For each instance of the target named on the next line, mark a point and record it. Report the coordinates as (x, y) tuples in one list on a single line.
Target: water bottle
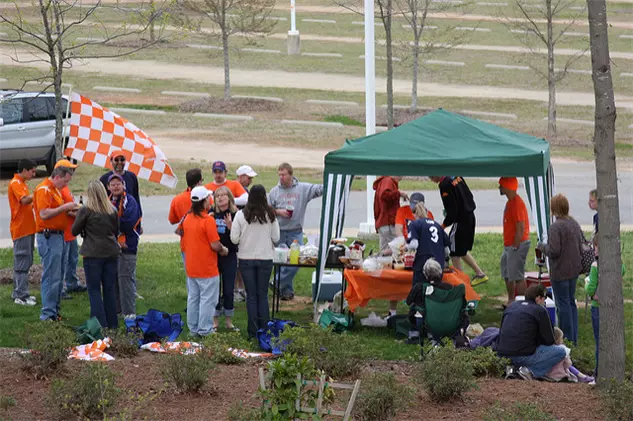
[(294, 253)]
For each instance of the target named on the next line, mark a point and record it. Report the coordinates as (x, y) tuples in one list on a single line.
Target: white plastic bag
[(373, 320)]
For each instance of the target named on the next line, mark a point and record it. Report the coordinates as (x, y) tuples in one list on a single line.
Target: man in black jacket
[(526, 336), (459, 208)]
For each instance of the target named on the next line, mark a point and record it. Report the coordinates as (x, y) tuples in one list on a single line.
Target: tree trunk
[(152, 32), (551, 76), (227, 76), (388, 41), (414, 82), (612, 345)]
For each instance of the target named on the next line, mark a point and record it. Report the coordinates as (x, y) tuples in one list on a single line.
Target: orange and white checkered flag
[(96, 132)]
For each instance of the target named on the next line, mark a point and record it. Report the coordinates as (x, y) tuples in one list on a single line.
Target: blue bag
[(274, 328), (156, 325)]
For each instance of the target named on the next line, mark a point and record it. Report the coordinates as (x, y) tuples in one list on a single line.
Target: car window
[(38, 109), (12, 111), (51, 101)]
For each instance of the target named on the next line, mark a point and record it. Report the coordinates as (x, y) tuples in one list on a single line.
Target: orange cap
[(118, 152), (510, 183), (65, 163)]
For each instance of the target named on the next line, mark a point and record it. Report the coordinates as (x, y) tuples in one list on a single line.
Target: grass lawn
[(161, 281)]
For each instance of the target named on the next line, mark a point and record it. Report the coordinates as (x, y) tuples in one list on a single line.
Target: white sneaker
[(31, 301), (22, 302), (129, 316), (32, 298)]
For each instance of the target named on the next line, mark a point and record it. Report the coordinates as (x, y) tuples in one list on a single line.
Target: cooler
[(531, 278), (550, 306), (331, 283)]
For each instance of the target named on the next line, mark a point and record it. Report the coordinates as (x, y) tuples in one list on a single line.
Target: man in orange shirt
[(181, 203), (22, 231), (219, 179), (516, 238), (51, 220), (405, 213), (70, 256)]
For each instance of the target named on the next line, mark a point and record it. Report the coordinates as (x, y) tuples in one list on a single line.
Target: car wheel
[(50, 162)]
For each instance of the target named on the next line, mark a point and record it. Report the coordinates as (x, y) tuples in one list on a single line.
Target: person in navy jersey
[(428, 239), (117, 159)]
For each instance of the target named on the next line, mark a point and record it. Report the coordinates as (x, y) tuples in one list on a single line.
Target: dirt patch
[(141, 375), (35, 275), (230, 106)]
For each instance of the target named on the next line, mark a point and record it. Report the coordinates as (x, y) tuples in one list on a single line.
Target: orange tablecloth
[(393, 285)]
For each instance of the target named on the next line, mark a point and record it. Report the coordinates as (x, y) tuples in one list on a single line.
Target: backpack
[(156, 325), (273, 330)]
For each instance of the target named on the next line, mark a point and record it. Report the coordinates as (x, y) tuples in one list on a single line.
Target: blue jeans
[(51, 250), (202, 297), (542, 361), (102, 274), (595, 323), (288, 274), (227, 265), (69, 265), (256, 274), (565, 299)]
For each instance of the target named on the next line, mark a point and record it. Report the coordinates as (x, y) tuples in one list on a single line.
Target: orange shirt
[(47, 196), (22, 218), (179, 206), (514, 212), (405, 213), (68, 198), (236, 188), (199, 233)]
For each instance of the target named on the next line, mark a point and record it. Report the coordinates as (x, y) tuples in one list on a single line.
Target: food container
[(281, 255), (408, 260), (398, 266), (385, 261)]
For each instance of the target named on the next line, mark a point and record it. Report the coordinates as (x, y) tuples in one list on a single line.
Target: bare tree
[(528, 27), (245, 17), (416, 13), (612, 345), (52, 39)]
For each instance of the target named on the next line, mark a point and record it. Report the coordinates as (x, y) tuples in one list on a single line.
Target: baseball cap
[(416, 198), (118, 152), (199, 193), (510, 183), (65, 163), (218, 166), (246, 170), (115, 175)]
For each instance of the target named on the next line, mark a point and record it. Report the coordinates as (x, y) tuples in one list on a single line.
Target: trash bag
[(273, 330), (89, 332), (340, 321), (156, 325)]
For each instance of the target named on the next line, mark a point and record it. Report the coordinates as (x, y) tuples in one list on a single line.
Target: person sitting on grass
[(526, 336), (559, 337)]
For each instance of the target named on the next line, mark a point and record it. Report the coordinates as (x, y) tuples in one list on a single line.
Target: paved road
[(574, 179)]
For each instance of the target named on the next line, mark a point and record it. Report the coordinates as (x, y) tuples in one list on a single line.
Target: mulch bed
[(215, 105), (231, 384)]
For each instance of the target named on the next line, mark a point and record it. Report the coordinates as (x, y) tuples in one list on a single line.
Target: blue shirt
[(432, 240)]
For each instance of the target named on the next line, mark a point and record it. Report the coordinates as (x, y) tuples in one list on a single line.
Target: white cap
[(246, 170), (199, 193)]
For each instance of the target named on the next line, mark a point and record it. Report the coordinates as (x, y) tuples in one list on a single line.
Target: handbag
[(587, 255)]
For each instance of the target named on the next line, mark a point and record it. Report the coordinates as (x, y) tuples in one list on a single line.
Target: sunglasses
[(120, 159)]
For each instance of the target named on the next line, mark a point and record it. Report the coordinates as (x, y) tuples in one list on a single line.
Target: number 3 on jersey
[(434, 235)]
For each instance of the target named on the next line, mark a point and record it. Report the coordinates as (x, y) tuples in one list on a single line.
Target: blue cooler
[(550, 306), (331, 283)]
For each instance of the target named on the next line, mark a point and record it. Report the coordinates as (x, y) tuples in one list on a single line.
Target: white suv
[(27, 127)]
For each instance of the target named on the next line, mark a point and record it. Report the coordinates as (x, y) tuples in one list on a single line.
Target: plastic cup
[(290, 209)]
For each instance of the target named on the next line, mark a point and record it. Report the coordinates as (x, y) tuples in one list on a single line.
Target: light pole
[(370, 106), (294, 41)]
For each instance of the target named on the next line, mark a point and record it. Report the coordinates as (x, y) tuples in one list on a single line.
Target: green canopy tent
[(439, 143)]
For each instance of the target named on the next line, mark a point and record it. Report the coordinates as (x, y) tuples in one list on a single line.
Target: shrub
[(486, 362), (381, 397), (49, 343), (446, 373), (239, 412), (518, 412), (124, 344), (187, 373), (338, 354), (92, 393), (6, 402), (617, 403), (217, 347)]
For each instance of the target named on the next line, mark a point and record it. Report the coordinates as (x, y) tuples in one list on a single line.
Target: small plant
[(187, 373), (124, 344), (49, 343), (486, 362), (617, 403), (381, 397), (446, 373), (217, 347), (281, 389), (338, 354), (518, 412), (6, 402), (92, 393), (239, 412)]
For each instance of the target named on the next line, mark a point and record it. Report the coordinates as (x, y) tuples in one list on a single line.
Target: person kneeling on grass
[(526, 336), (201, 244)]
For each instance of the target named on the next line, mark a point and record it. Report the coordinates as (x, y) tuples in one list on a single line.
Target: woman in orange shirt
[(201, 244)]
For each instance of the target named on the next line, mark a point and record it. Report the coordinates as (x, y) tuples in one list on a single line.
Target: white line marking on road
[(312, 123), (115, 89), (489, 114), (573, 121), (179, 93), (626, 74), (260, 50), (339, 55), (318, 20), (407, 26), (204, 47), (505, 66), (625, 36), (470, 28), (445, 63), (263, 98), (363, 23), (383, 58), (137, 111), (326, 102)]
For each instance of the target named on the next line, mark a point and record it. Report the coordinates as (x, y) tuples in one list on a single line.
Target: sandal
[(233, 328)]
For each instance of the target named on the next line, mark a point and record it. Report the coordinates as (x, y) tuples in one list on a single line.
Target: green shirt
[(592, 285)]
